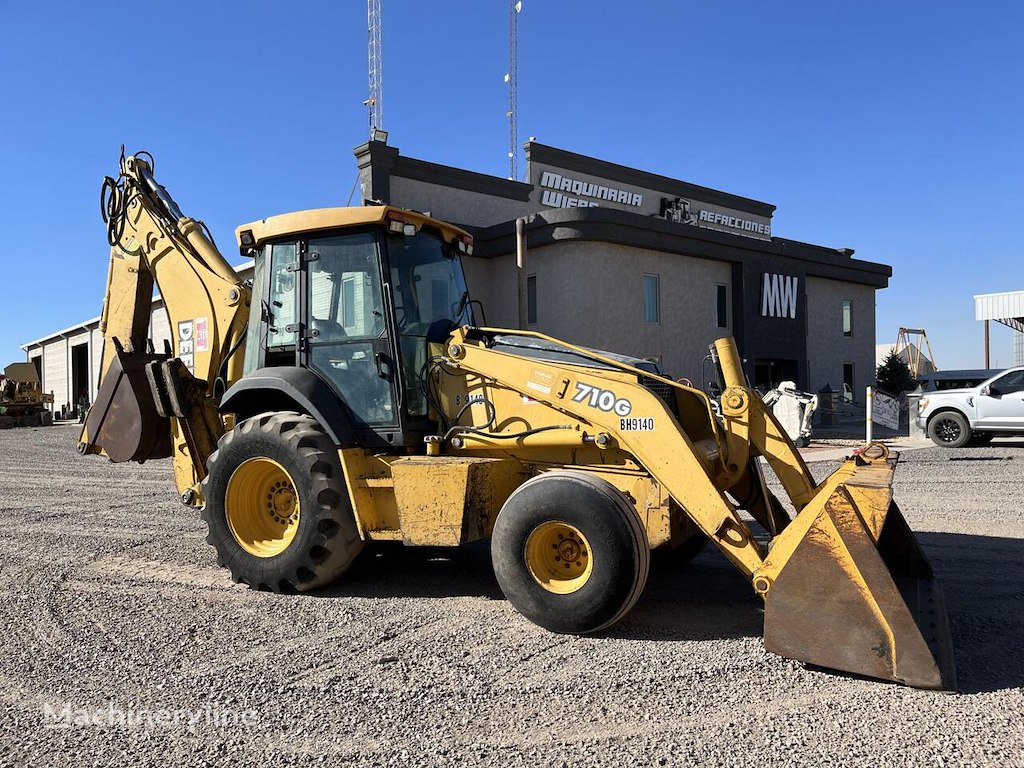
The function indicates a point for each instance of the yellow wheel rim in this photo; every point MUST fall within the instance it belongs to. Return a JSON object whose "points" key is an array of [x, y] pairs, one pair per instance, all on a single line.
{"points": [[559, 558], [262, 507]]}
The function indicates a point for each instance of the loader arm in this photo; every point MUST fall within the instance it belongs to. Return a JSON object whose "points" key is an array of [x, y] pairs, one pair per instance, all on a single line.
{"points": [[622, 413], [845, 583], [151, 402]]}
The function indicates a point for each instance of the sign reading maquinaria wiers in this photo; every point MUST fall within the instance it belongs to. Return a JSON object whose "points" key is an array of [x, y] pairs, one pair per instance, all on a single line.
{"points": [[557, 185]]}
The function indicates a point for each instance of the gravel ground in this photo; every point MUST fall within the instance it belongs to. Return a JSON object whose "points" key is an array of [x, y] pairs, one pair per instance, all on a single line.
{"points": [[113, 607]]}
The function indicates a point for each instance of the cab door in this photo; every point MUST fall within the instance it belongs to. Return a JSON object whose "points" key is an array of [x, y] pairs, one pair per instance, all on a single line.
{"points": [[346, 332], [1003, 406]]}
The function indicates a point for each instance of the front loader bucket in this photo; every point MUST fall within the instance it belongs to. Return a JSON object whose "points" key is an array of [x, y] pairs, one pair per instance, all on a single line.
{"points": [[847, 586], [124, 422]]}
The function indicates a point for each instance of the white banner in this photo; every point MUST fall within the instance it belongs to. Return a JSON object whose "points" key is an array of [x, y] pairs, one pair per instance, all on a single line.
{"points": [[885, 410]]}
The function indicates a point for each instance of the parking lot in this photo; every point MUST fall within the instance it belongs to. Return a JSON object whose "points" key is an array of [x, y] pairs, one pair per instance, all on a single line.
{"points": [[124, 642]]}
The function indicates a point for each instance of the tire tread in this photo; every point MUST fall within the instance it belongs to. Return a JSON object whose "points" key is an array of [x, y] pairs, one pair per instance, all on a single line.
{"points": [[334, 531]]}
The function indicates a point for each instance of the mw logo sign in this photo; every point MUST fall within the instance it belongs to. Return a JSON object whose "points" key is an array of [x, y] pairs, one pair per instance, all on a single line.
{"points": [[778, 296]]}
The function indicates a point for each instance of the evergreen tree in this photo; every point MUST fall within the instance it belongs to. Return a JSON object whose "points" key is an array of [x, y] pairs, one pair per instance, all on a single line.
{"points": [[894, 375]]}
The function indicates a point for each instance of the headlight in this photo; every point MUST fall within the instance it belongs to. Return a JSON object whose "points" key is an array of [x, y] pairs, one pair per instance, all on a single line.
{"points": [[922, 404]]}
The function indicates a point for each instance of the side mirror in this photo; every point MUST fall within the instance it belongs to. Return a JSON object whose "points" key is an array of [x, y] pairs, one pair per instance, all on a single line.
{"points": [[989, 390]]}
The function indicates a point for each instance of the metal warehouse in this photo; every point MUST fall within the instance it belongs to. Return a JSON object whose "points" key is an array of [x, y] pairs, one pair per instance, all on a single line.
{"points": [[616, 258]]}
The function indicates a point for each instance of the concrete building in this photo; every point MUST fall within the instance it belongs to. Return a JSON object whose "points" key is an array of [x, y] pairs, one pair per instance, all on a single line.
{"points": [[619, 259]]}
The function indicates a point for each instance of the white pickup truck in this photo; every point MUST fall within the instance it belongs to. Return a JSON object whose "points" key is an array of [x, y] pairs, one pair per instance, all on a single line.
{"points": [[955, 417]]}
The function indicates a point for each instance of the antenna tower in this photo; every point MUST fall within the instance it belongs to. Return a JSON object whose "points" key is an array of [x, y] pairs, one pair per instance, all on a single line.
{"points": [[375, 49], [512, 78]]}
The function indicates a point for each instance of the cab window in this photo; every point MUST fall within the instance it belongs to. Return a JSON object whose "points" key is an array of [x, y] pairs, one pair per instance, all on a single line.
{"points": [[344, 288], [430, 299], [1009, 384], [348, 343]]}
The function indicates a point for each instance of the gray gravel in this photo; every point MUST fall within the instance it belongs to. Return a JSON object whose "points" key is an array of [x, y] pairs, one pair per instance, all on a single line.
{"points": [[111, 602]]}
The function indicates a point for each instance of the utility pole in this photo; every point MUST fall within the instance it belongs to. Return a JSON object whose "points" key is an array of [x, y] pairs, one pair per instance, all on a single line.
{"points": [[987, 363]]}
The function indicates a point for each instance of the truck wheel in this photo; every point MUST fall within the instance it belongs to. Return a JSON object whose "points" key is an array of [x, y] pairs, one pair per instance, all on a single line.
{"points": [[277, 508], [570, 552], [949, 430]]}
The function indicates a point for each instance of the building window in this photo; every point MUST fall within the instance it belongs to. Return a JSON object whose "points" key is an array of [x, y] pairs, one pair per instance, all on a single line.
{"points": [[531, 299], [722, 305], [651, 308], [848, 388], [847, 317], [348, 302]]}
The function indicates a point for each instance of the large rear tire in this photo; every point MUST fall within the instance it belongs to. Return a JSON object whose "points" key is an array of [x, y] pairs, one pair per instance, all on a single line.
{"points": [[570, 552], [949, 429], [277, 508]]}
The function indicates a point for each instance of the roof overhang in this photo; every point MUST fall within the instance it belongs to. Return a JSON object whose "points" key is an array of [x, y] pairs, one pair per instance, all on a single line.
{"points": [[1006, 308]]}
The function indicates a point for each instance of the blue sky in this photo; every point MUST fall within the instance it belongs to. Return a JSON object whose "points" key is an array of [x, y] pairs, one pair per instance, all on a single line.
{"points": [[890, 128]]}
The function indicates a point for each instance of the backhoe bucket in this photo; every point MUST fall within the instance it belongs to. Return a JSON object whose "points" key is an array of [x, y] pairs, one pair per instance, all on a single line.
{"points": [[124, 422], [847, 586]]}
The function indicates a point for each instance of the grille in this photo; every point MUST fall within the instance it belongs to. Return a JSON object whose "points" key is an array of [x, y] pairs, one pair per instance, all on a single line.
{"points": [[664, 390]]}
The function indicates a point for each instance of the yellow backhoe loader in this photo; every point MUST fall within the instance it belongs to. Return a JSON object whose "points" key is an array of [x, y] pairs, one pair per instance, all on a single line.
{"points": [[22, 400], [347, 396]]}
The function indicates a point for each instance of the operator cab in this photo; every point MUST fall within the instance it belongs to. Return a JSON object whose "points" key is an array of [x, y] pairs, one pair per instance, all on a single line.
{"points": [[357, 301]]}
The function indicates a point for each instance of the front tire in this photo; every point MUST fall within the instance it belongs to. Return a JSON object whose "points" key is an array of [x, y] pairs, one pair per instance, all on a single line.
{"points": [[277, 508], [949, 430], [570, 552]]}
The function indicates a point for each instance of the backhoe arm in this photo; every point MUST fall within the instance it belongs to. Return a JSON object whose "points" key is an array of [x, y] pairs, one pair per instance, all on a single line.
{"points": [[154, 403]]}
